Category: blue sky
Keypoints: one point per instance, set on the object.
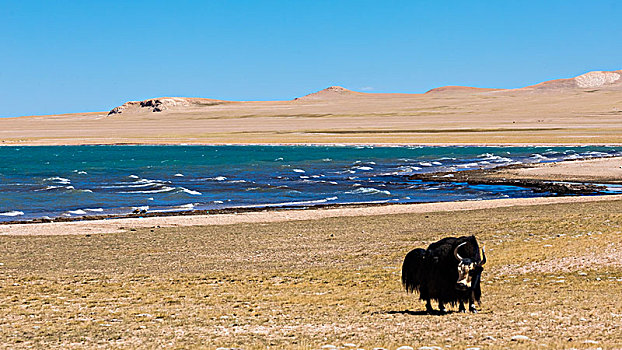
(78, 56)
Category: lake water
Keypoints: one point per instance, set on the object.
(73, 181)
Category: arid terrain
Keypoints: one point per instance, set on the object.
(582, 110)
(554, 276)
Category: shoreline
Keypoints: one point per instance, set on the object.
(121, 225)
(318, 144)
(587, 186)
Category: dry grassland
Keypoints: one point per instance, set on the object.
(554, 275)
(499, 117)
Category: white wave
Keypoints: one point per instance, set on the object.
(278, 159)
(189, 191)
(236, 181)
(76, 212)
(425, 163)
(186, 206)
(365, 168)
(369, 190)
(332, 198)
(327, 160)
(437, 163)
(159, 190)
(133, 177)
(97, 210)
(218, 178)
(60, 180)
(218, 202)
(298, 171)
(179, 175)
(333, 183)
(304, 177)
(47, 188)
(12, 213)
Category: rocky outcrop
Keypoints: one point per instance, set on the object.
(162, 104)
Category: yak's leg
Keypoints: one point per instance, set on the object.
(472, 305)
(461, 307)
(428, 306)
(441, 307)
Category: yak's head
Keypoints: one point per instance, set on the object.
(469, 270)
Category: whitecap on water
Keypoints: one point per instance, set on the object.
(133, 177)
(189, 191)
(76, 212)
(12, 213)
(97, 210)
(159, 190)
(369, 190)
(179, 175)
(57, 179)
(298, 171)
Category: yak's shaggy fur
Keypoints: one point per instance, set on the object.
(433, 272)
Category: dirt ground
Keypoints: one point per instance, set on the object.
(554, 276)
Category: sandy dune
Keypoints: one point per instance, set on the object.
(581, 110)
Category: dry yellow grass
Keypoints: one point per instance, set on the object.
(554, 275)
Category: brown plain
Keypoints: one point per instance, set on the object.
(555, 112)
(554, 275)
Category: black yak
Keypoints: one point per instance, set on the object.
(448, 271)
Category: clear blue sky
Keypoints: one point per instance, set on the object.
(77, 56)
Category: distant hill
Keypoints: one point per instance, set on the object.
(596, 80)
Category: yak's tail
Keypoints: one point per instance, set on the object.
(411, 270)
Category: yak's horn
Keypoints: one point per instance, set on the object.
(483, 256)
(456, 251)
